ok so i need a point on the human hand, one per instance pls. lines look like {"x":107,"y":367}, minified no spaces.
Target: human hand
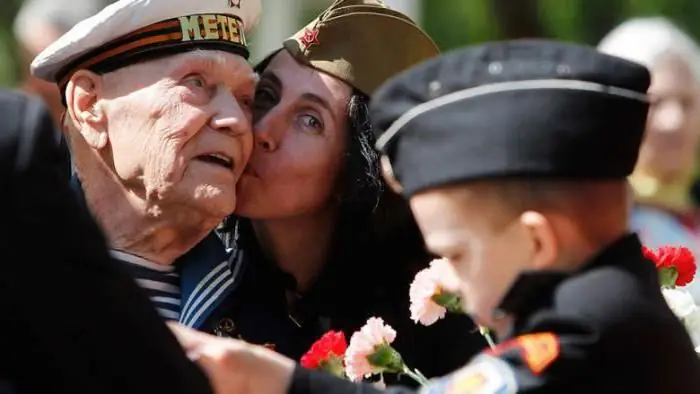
{"x":234,"y":366}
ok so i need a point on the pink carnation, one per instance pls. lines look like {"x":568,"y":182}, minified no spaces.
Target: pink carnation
{"x":363,"y":344}
{"x":437,"y":279}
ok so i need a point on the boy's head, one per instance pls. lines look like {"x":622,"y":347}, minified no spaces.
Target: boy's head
{"x":514,"y":157}
{"x":492,"y":231}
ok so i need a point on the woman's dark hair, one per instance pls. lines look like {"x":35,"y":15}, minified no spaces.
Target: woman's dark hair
{"x":363,"y":184}
{"x":376,"y":229}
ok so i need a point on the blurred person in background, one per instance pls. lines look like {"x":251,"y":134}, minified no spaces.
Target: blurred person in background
{"x":666,"y":212}
{"x":38,"y":24}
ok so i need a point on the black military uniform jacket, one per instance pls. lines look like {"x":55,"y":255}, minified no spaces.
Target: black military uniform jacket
{"x":604,"y":329}
{"x":71,"y":319}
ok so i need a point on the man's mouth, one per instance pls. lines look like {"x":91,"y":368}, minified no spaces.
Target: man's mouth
{"x":218,"y":159}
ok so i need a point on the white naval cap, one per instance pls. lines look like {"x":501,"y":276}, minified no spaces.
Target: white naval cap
{"x":130,"y":31}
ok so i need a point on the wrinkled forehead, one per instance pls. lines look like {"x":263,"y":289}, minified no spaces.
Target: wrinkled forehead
{"x":225,"y":67}
{"x":208,"y":60}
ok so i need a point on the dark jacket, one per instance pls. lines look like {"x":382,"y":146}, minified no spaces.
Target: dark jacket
{"x":348,"y":292}
{"x":604,"y":329}
{"x":71,"y":320}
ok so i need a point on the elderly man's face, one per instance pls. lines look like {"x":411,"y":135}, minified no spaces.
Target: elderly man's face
{"x":179,"y":128}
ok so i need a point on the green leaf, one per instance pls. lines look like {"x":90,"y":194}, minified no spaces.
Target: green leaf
{"x":450,"y":301}
{"x":668,"y":276}
{"x":387,"y":359}
{"x":333,"y":365}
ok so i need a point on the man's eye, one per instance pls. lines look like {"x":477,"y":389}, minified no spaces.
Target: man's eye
{"x":196,"y":80}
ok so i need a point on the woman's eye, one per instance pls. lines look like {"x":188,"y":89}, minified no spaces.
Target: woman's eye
{"x":263,"y":101}
{"x":312,"y":122}
{"x":264,"y":98}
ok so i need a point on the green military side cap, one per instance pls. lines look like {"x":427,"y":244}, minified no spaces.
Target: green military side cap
{"x":362,"y":42}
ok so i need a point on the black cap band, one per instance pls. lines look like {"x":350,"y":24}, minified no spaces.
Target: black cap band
{"x":513,"y":109}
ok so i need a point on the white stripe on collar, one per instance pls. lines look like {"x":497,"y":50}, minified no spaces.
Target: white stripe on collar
{"x":201,"y":299}
{"x":510,"y":86}
{"x":140,"y":261}
{"x":199,"y":292}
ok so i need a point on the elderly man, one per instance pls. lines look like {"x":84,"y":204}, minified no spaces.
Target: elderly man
{"x":158,"y":101}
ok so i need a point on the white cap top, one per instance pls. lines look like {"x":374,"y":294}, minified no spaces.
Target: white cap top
{"x":128,"y":31}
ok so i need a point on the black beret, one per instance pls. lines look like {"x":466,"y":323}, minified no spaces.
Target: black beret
{"x":522,"y":108}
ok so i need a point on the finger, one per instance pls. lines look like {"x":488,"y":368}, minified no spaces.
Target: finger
{"x":189,"y":339}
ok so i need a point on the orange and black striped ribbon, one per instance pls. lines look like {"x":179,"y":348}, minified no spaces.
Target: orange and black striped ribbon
{"x":222,"y":32}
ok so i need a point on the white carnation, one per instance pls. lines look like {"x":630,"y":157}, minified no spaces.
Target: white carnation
{"x":680,"y":301}
{"x":683,"y":306}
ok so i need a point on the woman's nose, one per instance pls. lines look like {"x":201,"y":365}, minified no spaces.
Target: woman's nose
{"x":267,"y":131}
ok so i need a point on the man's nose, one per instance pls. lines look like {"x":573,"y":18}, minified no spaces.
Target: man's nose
{"x":230,"y":116}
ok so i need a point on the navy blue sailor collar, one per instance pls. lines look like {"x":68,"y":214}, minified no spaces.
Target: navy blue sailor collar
{"x":208,"y":273}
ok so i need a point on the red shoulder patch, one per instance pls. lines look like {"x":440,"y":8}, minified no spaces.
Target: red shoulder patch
{"x":538,"y":350}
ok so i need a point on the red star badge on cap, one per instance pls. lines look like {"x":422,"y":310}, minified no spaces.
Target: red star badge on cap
{"x":309,"y":38}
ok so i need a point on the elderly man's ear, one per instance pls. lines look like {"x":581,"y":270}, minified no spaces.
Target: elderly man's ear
{"x":85,"y":108}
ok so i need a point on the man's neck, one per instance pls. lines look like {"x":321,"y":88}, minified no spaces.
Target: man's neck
{"x":132,"y":225}
{"x":299,"y":246}
{"x":584,"y":247}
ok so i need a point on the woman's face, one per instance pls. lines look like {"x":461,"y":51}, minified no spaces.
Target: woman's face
{"x":300,"y":135}
{"x":671,"y":139}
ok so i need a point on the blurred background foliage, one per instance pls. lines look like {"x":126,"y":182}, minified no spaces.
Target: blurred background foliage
{"x":8,"y":49}
{"x":454,"y":23}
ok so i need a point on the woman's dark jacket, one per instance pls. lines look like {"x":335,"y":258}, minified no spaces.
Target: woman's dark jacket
{"x":369,"y":276}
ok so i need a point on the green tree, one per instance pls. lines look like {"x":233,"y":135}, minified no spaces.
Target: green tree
{"x":8,"y":46}
{"x":454,"y":23}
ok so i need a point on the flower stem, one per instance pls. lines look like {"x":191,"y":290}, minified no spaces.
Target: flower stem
{"x":485,"y":333}
{"x":417,"y":376}
{"x":419,"y":373}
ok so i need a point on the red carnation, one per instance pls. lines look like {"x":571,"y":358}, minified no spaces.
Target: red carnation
{"x":327,"y":353}
{"x":676,"y":264}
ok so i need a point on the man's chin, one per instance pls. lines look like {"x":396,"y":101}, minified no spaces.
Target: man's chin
{"x":214,"y":201}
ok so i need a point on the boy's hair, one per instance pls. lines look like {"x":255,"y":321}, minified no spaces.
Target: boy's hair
{"x":590,"y":203}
